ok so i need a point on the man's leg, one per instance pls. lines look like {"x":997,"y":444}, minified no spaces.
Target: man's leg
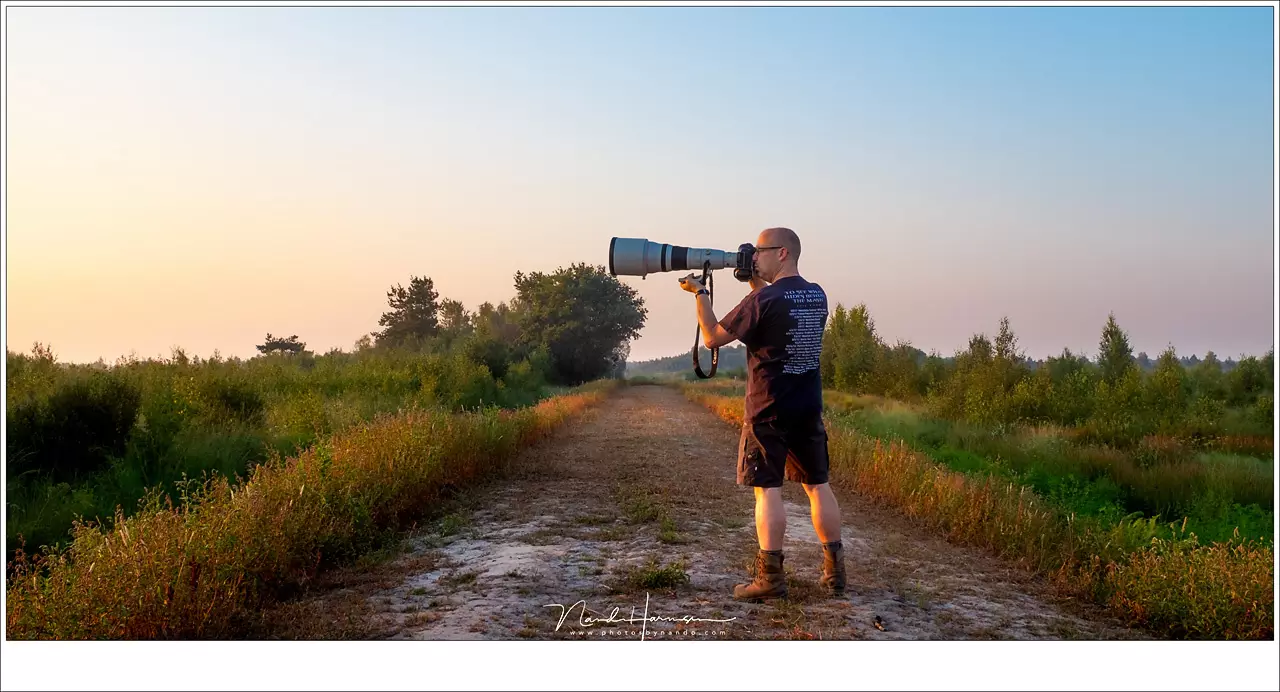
{"x":761,"y":462}
{"x":823,"y":510}
{"x":812,"y":468}
{"x":771,"y":518}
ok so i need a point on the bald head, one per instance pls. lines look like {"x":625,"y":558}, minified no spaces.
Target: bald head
{"x":782,"y":236}
{"x":777,"y":251}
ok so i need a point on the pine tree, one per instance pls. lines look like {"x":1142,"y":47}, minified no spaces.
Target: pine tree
{"x":1115,"y":355}
{"x":414,"y":312}
{"x":274,"y":344}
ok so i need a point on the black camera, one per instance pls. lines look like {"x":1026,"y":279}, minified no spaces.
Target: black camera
{"x":742,"y":268}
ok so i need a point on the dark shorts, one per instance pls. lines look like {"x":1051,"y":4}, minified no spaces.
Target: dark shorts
{"x":791,"y":449}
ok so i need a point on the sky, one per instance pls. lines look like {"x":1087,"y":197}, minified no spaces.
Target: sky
{"x":198,"y":177}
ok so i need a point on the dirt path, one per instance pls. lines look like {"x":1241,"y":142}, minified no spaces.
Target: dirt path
{"x":634,"y":505}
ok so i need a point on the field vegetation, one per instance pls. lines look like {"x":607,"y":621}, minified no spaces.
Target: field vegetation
{"x":1147,"y":487}
{"x":168,"y":497}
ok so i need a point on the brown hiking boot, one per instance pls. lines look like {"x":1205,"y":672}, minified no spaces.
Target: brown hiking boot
{"x":833,"y":578}
{"x":770,"y":581}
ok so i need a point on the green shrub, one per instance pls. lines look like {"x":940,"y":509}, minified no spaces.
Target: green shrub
{"x":489,"y":351}
{"x":1115,"y":418}
{"x":1031,"y":399}
{"x":1263,"y":412}
{"x":456,"y":382}
{"x":232,"y":398}
{"x":1204,"y":419}
{"x":1072,"y":402}
{"x":76,"y":430}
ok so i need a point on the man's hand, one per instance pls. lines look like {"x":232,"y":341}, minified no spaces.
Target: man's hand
{"x":691,"y":283}
{"x":756,"y":282}
{"x":713,"y":335}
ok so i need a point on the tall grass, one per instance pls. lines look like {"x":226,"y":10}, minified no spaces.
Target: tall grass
{"x":203,"y":568}
{"x":87,"y":441}
{"x":1171,"y":585}
{"x":1161,"y":476}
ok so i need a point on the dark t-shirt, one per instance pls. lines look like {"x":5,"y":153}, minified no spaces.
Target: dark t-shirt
{"x":781,"y":325}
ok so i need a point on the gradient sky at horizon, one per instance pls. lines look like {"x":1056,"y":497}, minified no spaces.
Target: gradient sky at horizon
{"x":199,"y":177}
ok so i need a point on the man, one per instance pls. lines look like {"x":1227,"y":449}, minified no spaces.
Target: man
{"x":781,"y":323}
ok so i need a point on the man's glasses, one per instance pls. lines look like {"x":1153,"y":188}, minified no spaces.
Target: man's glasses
{"x":770,"y":247}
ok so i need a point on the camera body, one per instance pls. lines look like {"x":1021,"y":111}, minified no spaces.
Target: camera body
{"x":744,"y":267}
{"x":640,"y":256}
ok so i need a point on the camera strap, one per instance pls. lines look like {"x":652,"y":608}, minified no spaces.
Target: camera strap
{"x":697,"y":334}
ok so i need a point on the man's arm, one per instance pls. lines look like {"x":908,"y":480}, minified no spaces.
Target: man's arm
{"x":713,"y":335}
{"x":757,"y":283}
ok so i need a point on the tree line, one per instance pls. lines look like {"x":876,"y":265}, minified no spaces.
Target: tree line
{"x":1115,"y":398}
{"x":572,"y":325}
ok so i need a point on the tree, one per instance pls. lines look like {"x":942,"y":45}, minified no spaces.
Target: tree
{"x":980,"y":350}
{"x":898,"y":371}
{"x":493,"y":338}
{"x":1248,"y":379}
{"x":850,"y":349}
{"x":1031,"y":399}
{"x":454,"y":317}
{"x":933,"y":373}
{"x":1166,"y":391}
{"x":618,"y":370}
{"x":1073,"y":387}
{"x":980,"y":377}
{"x":1115,"y":356}
{"x":967,"y":392}
{"x":581,"y":315}
{"x":273,"y":344}
{"x":455,"y":325}
{"x":834,"y":335}
{"x":498,"y":322}
{"x":1115,"y":405}
{"x":1008,"y":360}
{"x":1063,"y":366}
{"x":1208,"y":377}
{"x":414,"y":312}
{"x":1007,"y":344}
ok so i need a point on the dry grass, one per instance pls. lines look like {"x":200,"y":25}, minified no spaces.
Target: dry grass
{"x":1175,"y":586}
{"x":348,"y":619}
{"x":203,"y":570}
{"x":1250,"y":445}
{"x":1199,"y":592}
{"x":844,"y":401}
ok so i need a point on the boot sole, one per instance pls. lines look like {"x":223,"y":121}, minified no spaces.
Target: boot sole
{"x":759,"y":599}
